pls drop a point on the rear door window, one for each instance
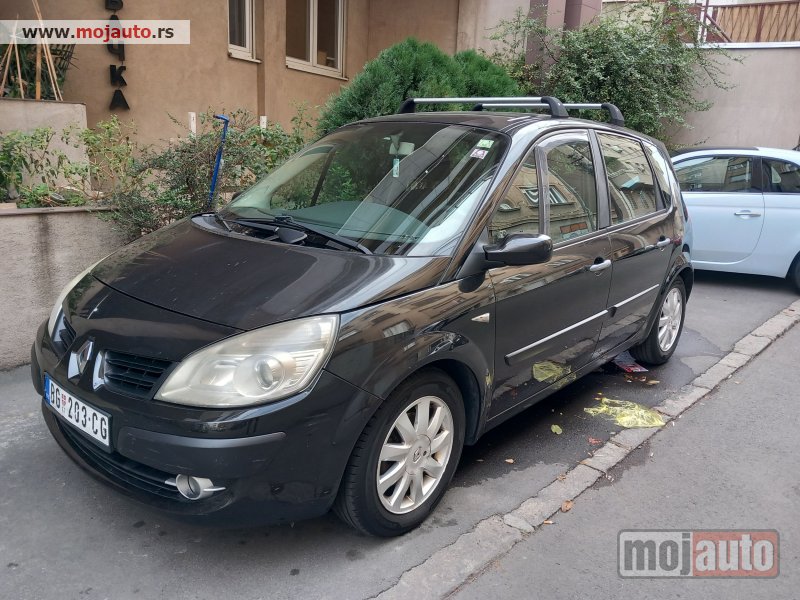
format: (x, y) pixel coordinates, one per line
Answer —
(726, 174)
(784, 177)
(631, 185)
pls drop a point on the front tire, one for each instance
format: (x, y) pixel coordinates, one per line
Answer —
(660, 343)
(794, 273)
(405, 458)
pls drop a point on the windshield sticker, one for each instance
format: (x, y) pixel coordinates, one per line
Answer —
(478, 153)
(396, 168)
(485, 143)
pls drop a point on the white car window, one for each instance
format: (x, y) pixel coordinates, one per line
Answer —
(716, 174)
(784, 176)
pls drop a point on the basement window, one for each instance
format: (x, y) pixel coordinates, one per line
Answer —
(314, 36)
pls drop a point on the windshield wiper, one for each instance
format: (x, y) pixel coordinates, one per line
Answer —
(219, 218)
(289, 222)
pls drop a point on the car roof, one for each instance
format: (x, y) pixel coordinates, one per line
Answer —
(506, 122)
(790, 155)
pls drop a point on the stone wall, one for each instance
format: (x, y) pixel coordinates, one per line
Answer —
(41, 250)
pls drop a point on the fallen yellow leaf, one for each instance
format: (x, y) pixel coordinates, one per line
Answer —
(556, 429)
(566, 506)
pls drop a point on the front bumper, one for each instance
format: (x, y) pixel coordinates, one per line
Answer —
(278, 462)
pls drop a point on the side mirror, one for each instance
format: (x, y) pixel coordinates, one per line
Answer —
(520, 249)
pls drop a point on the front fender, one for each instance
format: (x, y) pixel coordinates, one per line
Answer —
(380, 346)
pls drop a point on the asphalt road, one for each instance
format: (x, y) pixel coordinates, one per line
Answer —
(66, 536)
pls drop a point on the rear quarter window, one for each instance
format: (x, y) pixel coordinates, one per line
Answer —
(661, 168)
(631, 184)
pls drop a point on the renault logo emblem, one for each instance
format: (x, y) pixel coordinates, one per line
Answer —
(79, 359)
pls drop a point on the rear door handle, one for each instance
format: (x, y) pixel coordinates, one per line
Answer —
(663, 243)
(746, 213)
(598, 267)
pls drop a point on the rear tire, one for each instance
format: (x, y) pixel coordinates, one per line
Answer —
(405, 458)
(660, 343)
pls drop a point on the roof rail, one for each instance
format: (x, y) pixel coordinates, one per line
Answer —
(554, 104)
(614, 112)
(556, 107)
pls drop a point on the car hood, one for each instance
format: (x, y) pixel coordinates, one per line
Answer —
(196, 269)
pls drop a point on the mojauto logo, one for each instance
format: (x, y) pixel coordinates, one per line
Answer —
(700, 553)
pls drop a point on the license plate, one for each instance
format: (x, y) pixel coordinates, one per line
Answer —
(78, 413)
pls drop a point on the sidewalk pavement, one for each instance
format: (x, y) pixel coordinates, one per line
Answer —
(729, 462)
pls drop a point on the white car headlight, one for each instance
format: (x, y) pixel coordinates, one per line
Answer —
(51, 323)
(254, 367)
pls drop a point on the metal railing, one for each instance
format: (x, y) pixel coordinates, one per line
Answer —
(755, 22)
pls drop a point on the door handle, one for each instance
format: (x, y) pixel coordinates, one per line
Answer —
(663, 243)
(599, 267)
(746, 213)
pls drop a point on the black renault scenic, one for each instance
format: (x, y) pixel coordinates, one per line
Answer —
(334, 336)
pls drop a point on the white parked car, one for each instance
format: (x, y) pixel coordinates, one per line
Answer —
(744, 206)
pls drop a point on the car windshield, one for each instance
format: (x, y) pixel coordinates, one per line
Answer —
(393, 188)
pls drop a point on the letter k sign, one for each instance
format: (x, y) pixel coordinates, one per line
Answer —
(116, 75)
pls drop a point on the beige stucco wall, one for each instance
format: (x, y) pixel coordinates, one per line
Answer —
(173, 80)
(391, 21)
(43, 250)
(477, 18)
(762, 108)
(165, 79)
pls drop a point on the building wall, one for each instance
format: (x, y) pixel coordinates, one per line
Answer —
(162, 80)
(391, 21)
(761, 110)
(284, 87)
(166, 80)
(477, 18)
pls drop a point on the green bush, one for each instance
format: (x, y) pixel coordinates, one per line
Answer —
(481, 77)
(149, 188)
(35, 174)
(647, 59)
(408, 69)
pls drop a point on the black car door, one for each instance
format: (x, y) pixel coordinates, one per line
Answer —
(549, 316)
(641, 232)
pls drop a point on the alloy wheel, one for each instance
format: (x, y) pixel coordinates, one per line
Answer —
(415, 454)
(669, 322)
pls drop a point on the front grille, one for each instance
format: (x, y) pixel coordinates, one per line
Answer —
(119, 468)
(131, 374)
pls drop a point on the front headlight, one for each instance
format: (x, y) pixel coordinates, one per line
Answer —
(51, 323)
(254, 367)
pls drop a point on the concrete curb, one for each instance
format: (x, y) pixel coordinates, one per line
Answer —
(449, 568)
